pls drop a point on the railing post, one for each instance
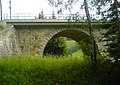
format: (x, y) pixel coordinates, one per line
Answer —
(29, 15)
(4, 16)
(17, 15)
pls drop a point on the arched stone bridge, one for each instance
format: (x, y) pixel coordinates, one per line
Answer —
(29, 37)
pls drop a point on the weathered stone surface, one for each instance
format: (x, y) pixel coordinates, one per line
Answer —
(31, 39)
(7, 41)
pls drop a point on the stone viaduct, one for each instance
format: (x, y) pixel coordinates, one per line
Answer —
(29, 37)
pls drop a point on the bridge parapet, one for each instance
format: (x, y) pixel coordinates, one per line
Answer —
(49, 16)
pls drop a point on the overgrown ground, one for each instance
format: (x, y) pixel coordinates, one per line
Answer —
(52, 70)
(29, 70)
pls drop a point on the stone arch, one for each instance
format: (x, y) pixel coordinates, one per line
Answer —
(75, 34)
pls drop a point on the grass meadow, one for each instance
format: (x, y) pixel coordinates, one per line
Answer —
(51, 70)
(30, 70)
(73, 49)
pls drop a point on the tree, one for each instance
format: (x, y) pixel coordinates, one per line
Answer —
(113, 17)
(41, 15)
(85, 47)
(53, 15)
(68, 5)
(113, 34)
(93, 45)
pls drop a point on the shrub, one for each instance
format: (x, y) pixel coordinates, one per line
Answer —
(85, 47)
(56, 46)
(1, 26)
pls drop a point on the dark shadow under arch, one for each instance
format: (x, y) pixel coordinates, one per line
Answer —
(73, 34)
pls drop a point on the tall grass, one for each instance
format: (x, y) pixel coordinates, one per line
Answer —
(41, 71)
(50, 71)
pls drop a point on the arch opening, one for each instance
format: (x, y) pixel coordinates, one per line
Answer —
(80, 39)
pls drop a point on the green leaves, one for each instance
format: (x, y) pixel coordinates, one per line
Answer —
(113, 34)
(56, 47)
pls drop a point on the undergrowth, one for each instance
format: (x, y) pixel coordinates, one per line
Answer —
(29, 70)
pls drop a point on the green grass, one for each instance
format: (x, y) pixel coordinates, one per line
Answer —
(73, 48)
(78, 53)
(40, 71)
(54, 70)
(71, 43)
(27, 70)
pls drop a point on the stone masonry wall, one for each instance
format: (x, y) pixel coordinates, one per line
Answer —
(7, 41)
(33, 40)
(30, 40)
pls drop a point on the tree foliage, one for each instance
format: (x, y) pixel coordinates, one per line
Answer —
(68, 4)
(112, 36)
(63, 4)
(56, 46)
(85, 47)
(41, 15)
(53, 15)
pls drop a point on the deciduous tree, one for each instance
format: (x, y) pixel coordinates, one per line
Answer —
(113, 34)
(68, 4)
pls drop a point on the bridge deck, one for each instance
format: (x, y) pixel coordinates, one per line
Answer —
(45, 22)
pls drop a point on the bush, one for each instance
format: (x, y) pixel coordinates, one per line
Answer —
(56, 46)
(1, 26)
(85, 47)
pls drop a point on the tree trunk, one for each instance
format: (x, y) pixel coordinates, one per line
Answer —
(93, 45)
